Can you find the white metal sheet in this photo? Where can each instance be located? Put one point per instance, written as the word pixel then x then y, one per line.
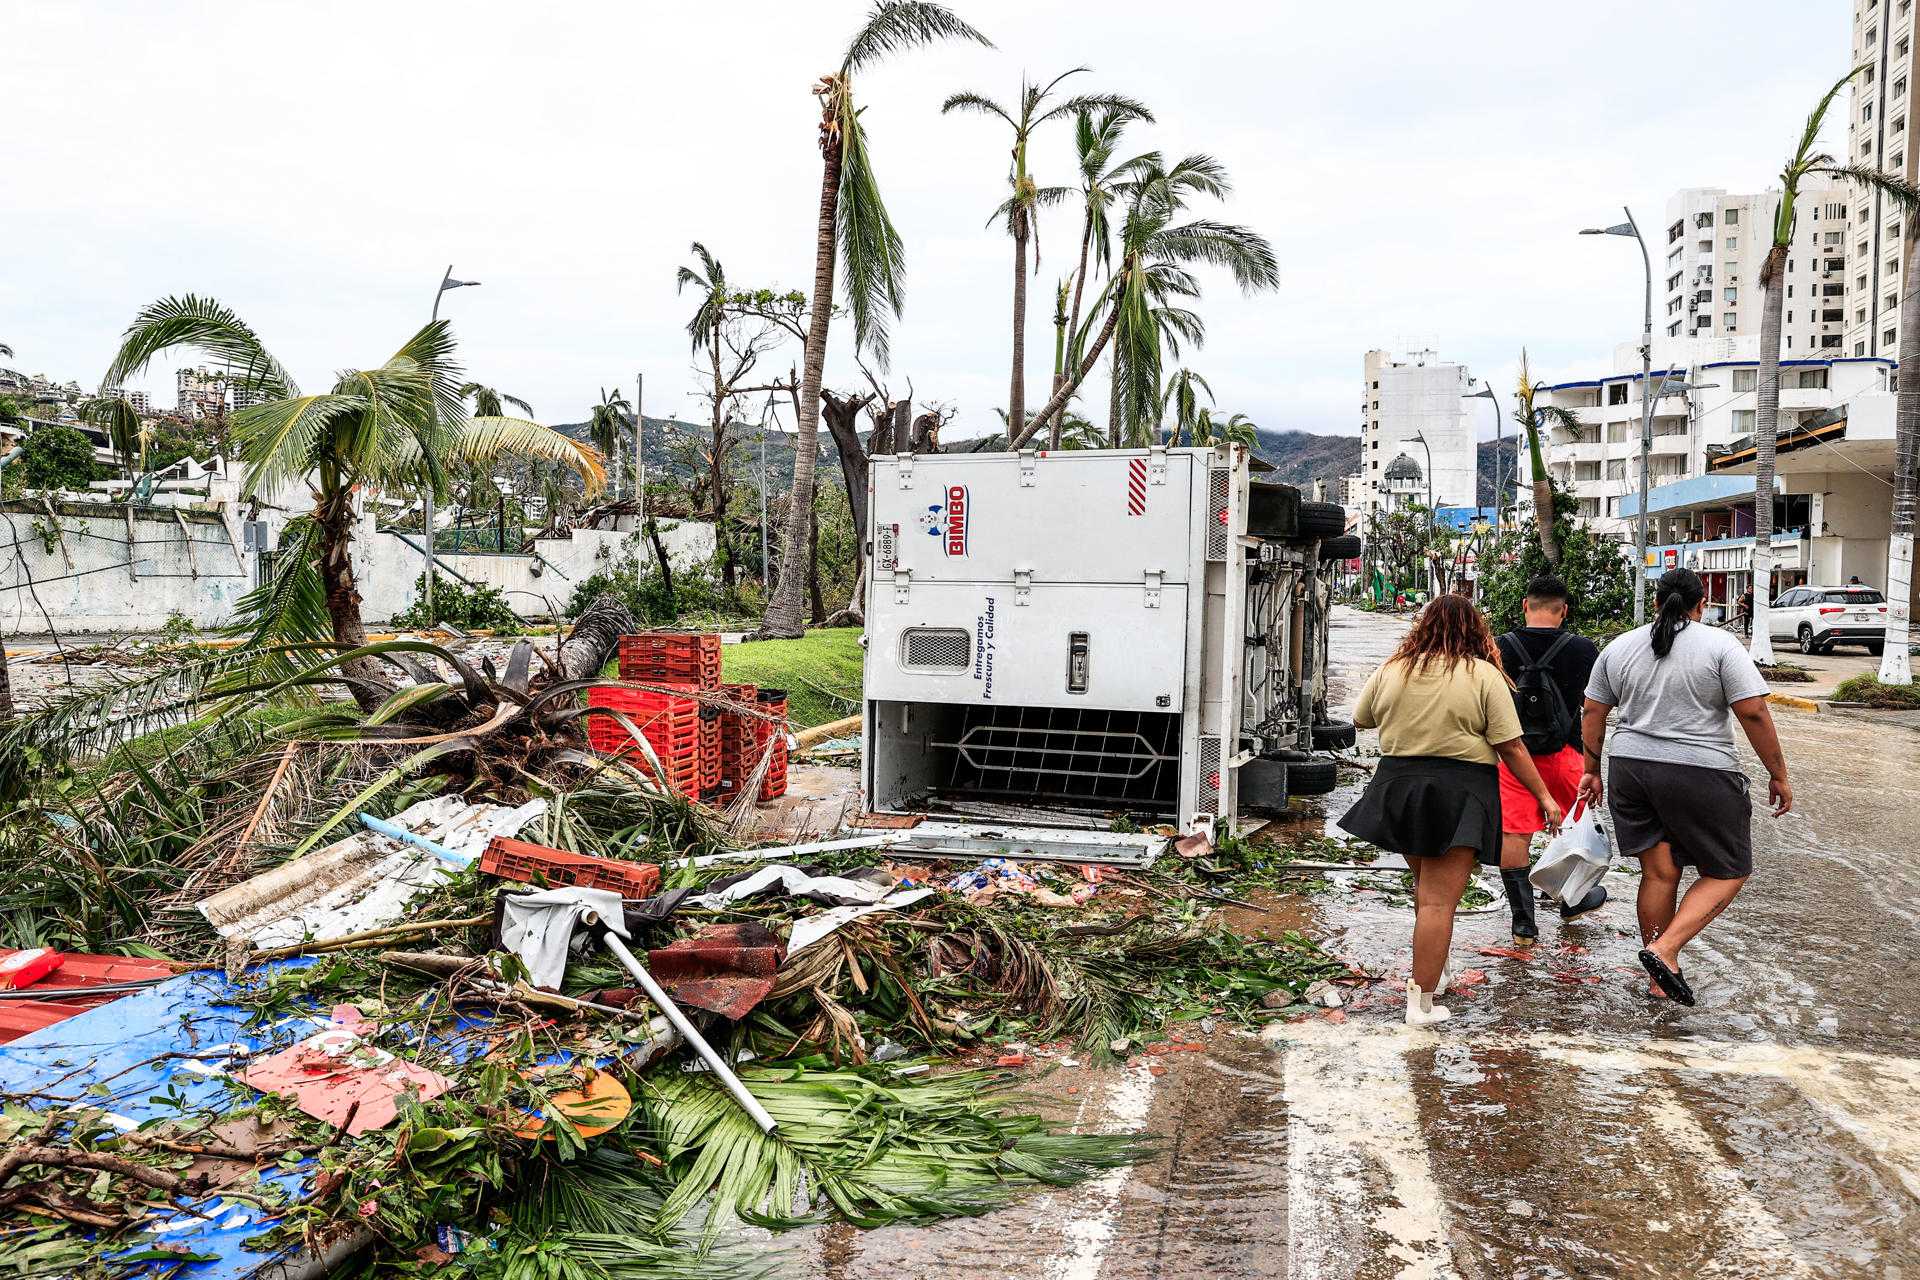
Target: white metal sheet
pixel 1136 651
pixel 1080 516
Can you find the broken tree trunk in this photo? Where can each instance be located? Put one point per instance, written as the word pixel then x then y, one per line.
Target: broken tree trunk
pixel 595 638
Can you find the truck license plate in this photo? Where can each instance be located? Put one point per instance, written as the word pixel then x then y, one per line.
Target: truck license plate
pixel 886 546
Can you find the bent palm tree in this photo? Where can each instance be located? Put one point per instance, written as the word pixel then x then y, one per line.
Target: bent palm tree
pixel 1182 400
pixel 1239 429
pixel 608 423
pixel 1766 418
pixel 400 421
pixel 1096 137
pixel 1026 197
pixel 1155 247
pixel 851 228
pixel 487 402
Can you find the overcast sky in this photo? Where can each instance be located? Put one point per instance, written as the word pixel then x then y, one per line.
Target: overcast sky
pixel 1420 169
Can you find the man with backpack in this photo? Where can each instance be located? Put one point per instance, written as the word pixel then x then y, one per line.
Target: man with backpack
pixel 1549 667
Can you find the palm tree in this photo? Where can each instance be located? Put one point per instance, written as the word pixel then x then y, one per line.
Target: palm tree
pixel 709 281
pixel 1766 418
pixel 607 425
pixel 1895 666
pixel 1096 137
pixel 487 402
pixel 1075 432
pixel 1531 418
pixel 1239 429
pixel 1026 197
pixel 851 228
pixel 1182 400
pixel 1154 246
pixel 401 421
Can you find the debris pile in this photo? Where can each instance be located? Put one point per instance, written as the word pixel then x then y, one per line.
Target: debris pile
pixel 435 981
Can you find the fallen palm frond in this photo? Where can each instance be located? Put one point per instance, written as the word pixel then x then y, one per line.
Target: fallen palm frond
pixel 862 1143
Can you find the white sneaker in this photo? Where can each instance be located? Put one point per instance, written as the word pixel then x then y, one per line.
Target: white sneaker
pixel 1421 1010
pixel 1446 980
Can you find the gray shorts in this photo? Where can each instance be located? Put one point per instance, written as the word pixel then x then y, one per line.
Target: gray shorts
pixel 1703 814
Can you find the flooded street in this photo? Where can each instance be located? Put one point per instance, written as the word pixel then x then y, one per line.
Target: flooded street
pixel 1561 1125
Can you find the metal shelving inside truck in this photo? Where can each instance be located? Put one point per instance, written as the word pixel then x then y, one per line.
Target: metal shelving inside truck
pixel 1059 640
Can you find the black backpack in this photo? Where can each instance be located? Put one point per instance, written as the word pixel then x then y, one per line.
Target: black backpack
pixel 1546 721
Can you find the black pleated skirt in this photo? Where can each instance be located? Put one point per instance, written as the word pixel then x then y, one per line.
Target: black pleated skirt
pixel 1422 806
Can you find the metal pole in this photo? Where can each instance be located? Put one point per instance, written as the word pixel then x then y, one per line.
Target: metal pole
pixel 1499 457
pixel 639 459
pixel 748 1103
pixel 763 493
pixel 1432 526
pixel 438 294
pixel 1646 427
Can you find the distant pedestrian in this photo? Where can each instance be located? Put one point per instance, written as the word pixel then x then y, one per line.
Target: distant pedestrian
pixel 1675 789
pixel 1745 613
pixel 1549 666
pixel 1445 713
pixel 1854 581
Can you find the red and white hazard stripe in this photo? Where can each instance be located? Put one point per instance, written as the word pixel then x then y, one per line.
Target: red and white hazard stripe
pixel 1137 487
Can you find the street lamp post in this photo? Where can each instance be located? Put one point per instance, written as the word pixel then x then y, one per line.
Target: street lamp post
pixel 1420 438
pixel 1499 448
pixel 1632 228
pixel 446 282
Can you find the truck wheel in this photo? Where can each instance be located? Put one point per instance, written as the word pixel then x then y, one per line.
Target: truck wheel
pixel 1344 547
pixel 1263 787
pixel 1334 735
pixel 1312 777
pixel 1322 520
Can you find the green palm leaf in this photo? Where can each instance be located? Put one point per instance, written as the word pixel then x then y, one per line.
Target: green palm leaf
pixel 209 327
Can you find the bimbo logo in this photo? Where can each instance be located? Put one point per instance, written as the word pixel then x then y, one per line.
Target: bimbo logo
pixel 947 521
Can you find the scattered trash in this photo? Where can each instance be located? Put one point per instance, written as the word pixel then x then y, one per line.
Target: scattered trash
pixel 338 1076
pixel 1325 995
pixel 725 968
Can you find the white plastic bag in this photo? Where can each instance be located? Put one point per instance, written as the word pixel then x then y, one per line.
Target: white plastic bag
pixel 1575 859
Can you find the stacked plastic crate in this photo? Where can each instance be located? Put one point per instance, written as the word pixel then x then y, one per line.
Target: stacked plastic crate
pixel 686 736
pixel 737 755
pixel 770 735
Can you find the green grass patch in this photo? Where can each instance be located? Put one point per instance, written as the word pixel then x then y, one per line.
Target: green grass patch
pixel 1867 689
pixel 821 672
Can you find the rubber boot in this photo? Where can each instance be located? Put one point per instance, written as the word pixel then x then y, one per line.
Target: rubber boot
pixel 1421 1010
pixel 1520 902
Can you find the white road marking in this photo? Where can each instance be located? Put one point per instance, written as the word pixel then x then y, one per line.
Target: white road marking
pixel 1760 1240
pixel 1090 1229
pixel 1352 1120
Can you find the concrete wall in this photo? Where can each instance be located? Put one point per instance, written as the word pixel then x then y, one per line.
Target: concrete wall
pixel 94 577
pixel 85 571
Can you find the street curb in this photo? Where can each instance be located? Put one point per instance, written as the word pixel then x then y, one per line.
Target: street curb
pixel 1789 700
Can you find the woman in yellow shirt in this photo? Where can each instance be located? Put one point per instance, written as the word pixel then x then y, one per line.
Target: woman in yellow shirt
pixel 1444 708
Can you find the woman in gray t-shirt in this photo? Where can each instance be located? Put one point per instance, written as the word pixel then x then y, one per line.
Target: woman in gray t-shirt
pixel 1676 792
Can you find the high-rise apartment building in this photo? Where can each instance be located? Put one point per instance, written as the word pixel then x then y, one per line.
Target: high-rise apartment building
pixel 1878 120
pixel 200 393
pixel 1419 395
pixel 1715 244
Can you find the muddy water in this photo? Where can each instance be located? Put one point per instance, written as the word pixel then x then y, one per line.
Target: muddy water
pixel 1561 1125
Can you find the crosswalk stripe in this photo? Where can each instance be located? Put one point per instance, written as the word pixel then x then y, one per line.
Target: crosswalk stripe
pixel 1762 1249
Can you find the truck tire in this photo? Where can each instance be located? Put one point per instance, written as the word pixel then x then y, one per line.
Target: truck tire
pixel 1263 787
pixel 1322 520
pixel 1312 777
pixel 1334 735
pixel 1344 547
pixel 1273 510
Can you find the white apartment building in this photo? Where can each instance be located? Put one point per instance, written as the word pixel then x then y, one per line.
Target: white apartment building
pixel 1715 245
pixel 1878 119
pixel 200 393
pixel 136 400
pixel 1419 395
pixel 1599 465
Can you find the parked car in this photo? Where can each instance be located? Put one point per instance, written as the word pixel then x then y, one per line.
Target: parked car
pixel 1821 617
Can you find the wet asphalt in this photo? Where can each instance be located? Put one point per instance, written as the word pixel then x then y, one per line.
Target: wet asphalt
pixel 1561 1125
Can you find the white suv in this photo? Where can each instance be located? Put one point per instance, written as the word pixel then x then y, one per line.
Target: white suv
pixel 1821 617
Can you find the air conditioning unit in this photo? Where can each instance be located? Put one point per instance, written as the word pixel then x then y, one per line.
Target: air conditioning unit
pixel 256 536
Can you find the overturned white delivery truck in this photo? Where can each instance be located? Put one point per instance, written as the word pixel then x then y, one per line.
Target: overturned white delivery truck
pixel 1095 640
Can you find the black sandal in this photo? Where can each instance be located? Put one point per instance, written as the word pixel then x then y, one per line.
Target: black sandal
pixel 1668 980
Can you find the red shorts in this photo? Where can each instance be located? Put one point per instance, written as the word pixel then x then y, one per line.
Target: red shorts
pixel 1519 813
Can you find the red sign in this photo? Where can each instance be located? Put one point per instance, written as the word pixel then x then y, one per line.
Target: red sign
pixel 956 520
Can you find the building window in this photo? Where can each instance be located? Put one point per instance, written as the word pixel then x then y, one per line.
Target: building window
pixel 1673 282
pixel 1730 319
pixel 1743 421
pixel 1733 244
pixel 1866 109
pixel 1892 302
pixel 1673 330
pixel 1813 379
pixel 1743 379
pixel 1836 264
pixel 1860 250
pixel 1731 217
pixel 1832 315
pixel 1893 232
pixel 1899 123
pixel 1860 315
pixel 1833 237
pixel 1859 348
pixel 1730 296
pixel 1886 339
pixel 1617 393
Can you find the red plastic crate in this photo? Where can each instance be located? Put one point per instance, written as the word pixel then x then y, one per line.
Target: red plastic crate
pixel 771 736
pixel 521 861
pixel 676 656
pixel 670 724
